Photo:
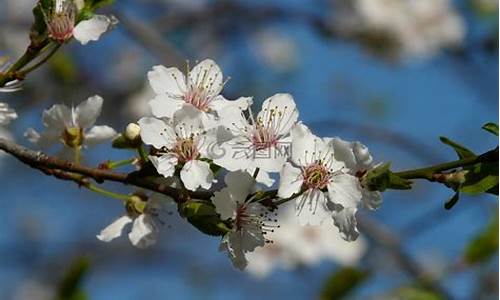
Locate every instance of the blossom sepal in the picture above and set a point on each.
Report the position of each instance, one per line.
(381, 178)
(202, 215)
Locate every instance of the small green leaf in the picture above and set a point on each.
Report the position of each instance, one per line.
(452, 201)
(381, 178)
(462, 152)
(484, 245)
(70, 287)
(202, 215)
(491, 127)
(481, 178)
(342, 282)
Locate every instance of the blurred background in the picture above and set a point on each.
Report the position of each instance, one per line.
(393, 74)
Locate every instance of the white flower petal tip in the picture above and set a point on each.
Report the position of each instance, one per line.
(93, 28)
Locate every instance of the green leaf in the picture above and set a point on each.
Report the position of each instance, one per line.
(481, 178)
(452, 201)
(70, 286)
(342, 282)
(417, 293)
(491, 127)
(202, 215)
(462, 152)
(484, 245)
(381, 178)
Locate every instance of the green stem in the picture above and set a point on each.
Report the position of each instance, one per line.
(428, 172)
(42, 61)
(107, 193)
(29, 55)
(78, 155)
(120, 163)
(142, 152)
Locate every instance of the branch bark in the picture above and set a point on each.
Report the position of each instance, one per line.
(66, 170)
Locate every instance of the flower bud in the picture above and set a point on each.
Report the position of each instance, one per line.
(72, 136)
(135, 205)
(132, 132)
(61, 21)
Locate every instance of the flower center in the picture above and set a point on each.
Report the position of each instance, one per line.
(263, 138)
(186, 150)
(316, 176)
(72, 136)
(61, 22)
(198, 97)
(254, 217)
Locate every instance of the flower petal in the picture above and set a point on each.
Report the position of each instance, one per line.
(143, 233)
(187, 121)
(232, 244)
(371, 200)
(225, 205)
(165, 164)
(343, 152)
(280, 112)
(57, 117)
(240, 185)
(345, 220)
(311, 208)
(219, 103)
(305, 145)
(92, 29)
(345, 189)
(115, 229)
(87, 112)
(197, 173)
(290, 181)
(207, 75)
(168, 81)
(157, 133)
(99, 134)
(164, 106)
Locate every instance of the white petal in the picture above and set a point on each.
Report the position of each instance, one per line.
(271, 159)
(343, 152)
(345, 189)
(99, 134)
(363, 158)
(345, 220)
(32, 135)
(86, 113)
(197, 173)
(157, 133)
(219, 103)
(92, 29)
(305, 145)
(168, 81)
(290, 181)
(235, 154)
(371, 200)
(240, 185)
(207, 75)
(232, 244)
(262, 177)
(232, 119)
(115, 229)
(164, 106)
(165, 164)
(143, 233)
(225, 205)
(311, 208)
(57, 117)
(280, 111)
(187, 121)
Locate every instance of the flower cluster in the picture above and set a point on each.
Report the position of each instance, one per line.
(196, 132)
(196, 136)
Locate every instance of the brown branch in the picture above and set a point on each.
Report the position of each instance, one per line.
(66, 170)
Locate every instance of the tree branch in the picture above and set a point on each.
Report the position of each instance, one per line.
(66, 170)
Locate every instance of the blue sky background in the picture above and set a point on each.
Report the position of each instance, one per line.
(45, 222)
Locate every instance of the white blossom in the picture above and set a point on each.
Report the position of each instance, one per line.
(262, 142)
(248, 219)
(146, 222)
(324, 182)
(181, 142)
(295, 246)
(61, 23)
(419, 28)
(200, 88)
(7, 114)
(74, 127)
